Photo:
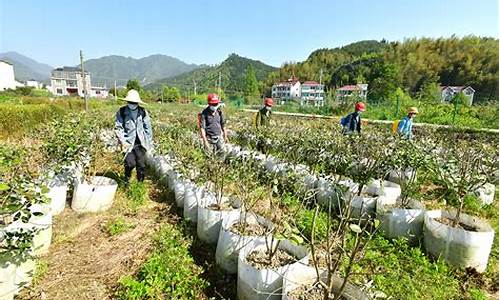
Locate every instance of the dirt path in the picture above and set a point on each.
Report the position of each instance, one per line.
(85, 262)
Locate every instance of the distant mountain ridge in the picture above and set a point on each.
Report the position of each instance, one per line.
(26, 68)
(232, 72)
(107, 69)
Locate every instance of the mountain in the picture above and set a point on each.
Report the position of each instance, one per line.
(232, 72)
(26, 68)
(107, 69)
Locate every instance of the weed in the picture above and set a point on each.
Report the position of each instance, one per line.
(137, 193)
(41, 269)
(117, 226)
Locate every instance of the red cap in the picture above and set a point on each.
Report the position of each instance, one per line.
(360, 106)
(213, 99)
(268, 102)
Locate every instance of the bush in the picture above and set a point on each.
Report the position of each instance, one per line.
(169, 273)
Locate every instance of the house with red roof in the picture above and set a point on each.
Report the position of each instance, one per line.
(285, 90)
(448, 92)
(343, 93)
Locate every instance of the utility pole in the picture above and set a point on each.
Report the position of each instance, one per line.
(84, 83)
(115, 92)
(320, 86)
(194, 83)
(220, 82)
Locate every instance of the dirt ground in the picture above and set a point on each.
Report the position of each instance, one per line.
(85, 262)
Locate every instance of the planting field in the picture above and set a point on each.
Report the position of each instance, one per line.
(291, 211)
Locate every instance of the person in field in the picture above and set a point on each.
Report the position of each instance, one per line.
(135, 134)
(405, 126)
(263, 116)
(351, 124)
(211, 124)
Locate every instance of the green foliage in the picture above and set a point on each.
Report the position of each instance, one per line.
(169, 273)
(137, 194)
(171, 94)
(251, 85)
(117, 226)
(134, 84)
(41, 269)
(305, 224)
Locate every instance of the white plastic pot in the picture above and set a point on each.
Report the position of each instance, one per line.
(25, 269)
(210, 220)
(459, 247)
(43, 225)
(179, 191)
(7, 279)
(58, 189)
(363, 207)
(229, 243)
(385, 188)
(400, 222)
(94, 196)
(306, 275)
(485, 194)
(266, 283)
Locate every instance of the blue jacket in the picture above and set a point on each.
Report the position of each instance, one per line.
(405, 127)
(127, 130)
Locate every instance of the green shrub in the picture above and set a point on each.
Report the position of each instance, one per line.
(169, 273)
(137, 194)
(117, 226)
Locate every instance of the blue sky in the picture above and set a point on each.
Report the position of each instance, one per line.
(274, 31)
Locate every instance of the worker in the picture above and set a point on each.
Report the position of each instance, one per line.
(134, 132)
(263, 116)
(405, 126)
(211, 124)
(351, 123)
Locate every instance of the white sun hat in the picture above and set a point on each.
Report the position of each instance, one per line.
(133, 96)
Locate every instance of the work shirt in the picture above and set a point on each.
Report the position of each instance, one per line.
(353, 123)
(263, 117)
(213, 123)
(133, 128)
(405, 127)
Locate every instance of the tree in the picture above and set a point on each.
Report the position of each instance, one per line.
(134, 84)
(251, 86)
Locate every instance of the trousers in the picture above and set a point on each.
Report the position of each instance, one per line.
(136, 159)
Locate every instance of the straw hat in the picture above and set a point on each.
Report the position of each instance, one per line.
(413, 110)
(133, 96)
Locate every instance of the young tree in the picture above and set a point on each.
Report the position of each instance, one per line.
(251, 85)
(134, 84)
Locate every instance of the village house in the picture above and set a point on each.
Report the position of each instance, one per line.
(7, 77)
(448, 92)
(34, 84)
(99, 92)
(343, 93)
(68, 81)
(286, 90)
(312, 93)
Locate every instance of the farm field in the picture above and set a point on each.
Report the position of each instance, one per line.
(323, 199)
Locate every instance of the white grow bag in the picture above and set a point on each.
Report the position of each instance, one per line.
(385, 188)
(210, 220)
(193, 195)
(266, 283)
(363, 207)
(485, 194)
(7, 279)
(94, 196)
(229, 243)
(457, 246)
(25, 269)
(58, 189)
(306, 275)
(397, 174)
(179, 191)
(401, 222)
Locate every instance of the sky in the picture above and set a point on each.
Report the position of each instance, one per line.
(206, 32)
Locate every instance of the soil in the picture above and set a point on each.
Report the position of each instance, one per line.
(248, 229)
(260, 259)
(306, 292)
(449, 222)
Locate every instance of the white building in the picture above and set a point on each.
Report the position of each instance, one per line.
(312, 93)
(360, 90)
(34, 84)
(99, 92)
(68, 81)
(7, 78)
(285, 90)
(448, 92)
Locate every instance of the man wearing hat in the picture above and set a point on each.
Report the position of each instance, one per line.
(263, 116)
(211, 124)
(134, 132)
(405, 126)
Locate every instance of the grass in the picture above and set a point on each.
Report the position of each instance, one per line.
(137, 194)
(169, 273)
(117, 226)
(41, 269)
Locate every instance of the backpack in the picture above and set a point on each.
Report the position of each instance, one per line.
(200, 115)
(395, 126)
(344, 121)
(142, 112)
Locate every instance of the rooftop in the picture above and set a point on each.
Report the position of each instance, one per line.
(68, 69)
(4, 61)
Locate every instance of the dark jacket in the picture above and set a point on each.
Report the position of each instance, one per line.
(263, 117)
(352, 123)
(212, 123)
